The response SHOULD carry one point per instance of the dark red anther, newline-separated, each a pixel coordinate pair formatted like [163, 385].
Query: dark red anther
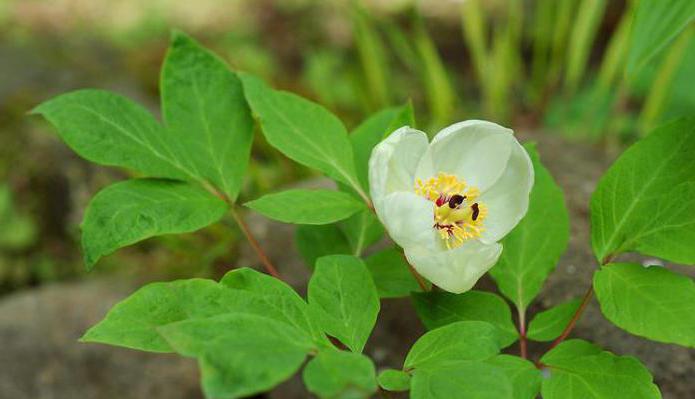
[441, 200]
[476, 211]
[456, 200]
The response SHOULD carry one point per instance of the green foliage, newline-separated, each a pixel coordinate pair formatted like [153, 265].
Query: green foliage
[307, 206]
[340, 375]
[362, 230]
[315, 241]
[394, 380]
[579, 369]
[455, 342]
[437, 309]
[344, 300]
[17, 230]
[390, 274]
[656, 24]
[131, 211]
[209, 124]
[652, 302]
[239, 354]
[548, 325]
[303, 130]
[532, 249]
[464, 379]
[646, 200]
[524, 376]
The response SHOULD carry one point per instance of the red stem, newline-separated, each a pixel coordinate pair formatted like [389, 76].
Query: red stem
[573, 321]
[254, 244]
[522, 333]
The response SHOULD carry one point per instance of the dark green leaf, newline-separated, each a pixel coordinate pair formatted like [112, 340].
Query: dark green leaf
[462, 340]
[548, 325]
[651, 302]
[437, 309]
[362, 230]
[391, 275]
[394, 380]
[131, 211]
[209, 124]
[303, 130]
[579, 370]
[343, 299]
[533, 248]
[524, 376]
[340, 375]
[239, 354]
[307, 206]
[315, 241]
[646, 200]
[462, 380]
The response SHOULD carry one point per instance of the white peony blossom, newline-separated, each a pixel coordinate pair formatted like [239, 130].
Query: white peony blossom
[449, 202]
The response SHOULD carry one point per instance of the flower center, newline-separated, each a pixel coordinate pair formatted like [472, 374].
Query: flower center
[457, 215]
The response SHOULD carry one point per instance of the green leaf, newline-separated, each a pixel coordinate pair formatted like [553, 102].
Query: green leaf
[548, 325]
[524, 376]
[462, 380]
[533, 248]
[656, 24]
[437, 309]
[372, 131]
[582, 371]
[303, 130]
[109, 129]
[362, 230]
[307, 206]
[315, 241]
[131, 211]
[239, 354]
[133, 322]
[391, 275]
[646, 200]
[268, 296]
[651, 302]
[462, 340]
[394, 380]
[343, 299]
[209, 124]
[339, 374]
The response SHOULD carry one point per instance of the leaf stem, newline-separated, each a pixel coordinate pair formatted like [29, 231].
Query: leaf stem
[269, 267]
[420, 281]
[522, 333]
[575, 318]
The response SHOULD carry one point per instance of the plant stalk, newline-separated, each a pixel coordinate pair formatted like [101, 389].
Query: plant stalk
[267, 264]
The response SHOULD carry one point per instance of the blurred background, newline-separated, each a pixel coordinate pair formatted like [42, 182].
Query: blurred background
[553, 70]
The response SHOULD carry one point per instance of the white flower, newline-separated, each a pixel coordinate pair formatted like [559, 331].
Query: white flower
[449, 202]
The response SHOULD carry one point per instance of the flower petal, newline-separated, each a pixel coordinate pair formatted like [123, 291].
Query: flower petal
[508, 199]
[408, 218]
[455, 270]
[393, 162]
[474, 150]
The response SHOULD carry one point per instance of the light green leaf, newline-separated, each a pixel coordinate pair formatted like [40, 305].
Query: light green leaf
[524, 376]
[344, 300]
[391, 275]
[582, 371]
[307, 206]
[340, 375]
[646, 200]
[372, 131]
[650, 302]
[657, 23]
[303, 130]
[239, 354]
[437, 309]
[209, 124]
[133, 322]
[315, 241]
[533, 248]
[268, 296]
[394, 380]
[362, 230]
[109, 129]
[462, 380]
[462, 340]
[548, 325]
[131, 211]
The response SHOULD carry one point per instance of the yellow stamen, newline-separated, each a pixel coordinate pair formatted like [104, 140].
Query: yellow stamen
[458, 216]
